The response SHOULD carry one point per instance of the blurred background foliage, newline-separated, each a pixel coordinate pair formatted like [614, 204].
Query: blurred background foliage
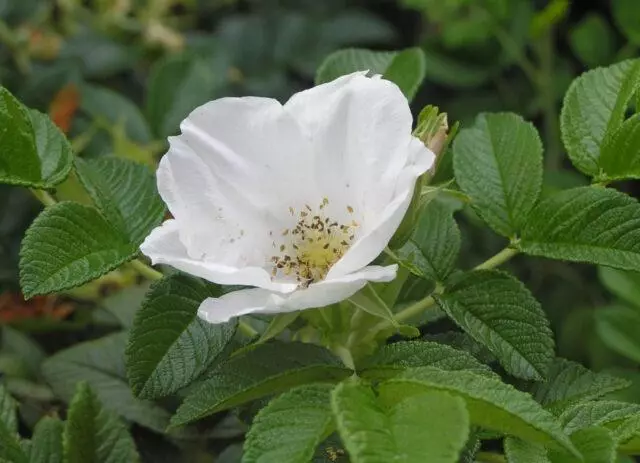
[118, 76]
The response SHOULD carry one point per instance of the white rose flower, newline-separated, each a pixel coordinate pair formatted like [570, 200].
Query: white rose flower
[295, 200]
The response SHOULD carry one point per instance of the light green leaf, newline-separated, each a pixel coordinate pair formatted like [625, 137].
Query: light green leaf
[177, 85]
[404, 433]
[618, 328]
[393, 358]
[289, 429]
[101, 364]
[590, 413]
[46, 443]
[596, 445]
[625, 285]
[170, 346]
[261, 370]
[491, 403]
[519, 451]
[620, 152]
[498, 162]
[499, 312]
[568, 381]
[593, 106]
[67, 245]
[626, 14]
[126, 194]
[277, 325]
[34, 152]
[433, 248]
[405, 68]
[367, 299]
[92, 434]
[592, 40]
[8, 409]
[588, 224]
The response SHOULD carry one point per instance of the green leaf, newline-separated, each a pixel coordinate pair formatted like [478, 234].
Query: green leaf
[67, 245]
[626, 14]
[618, 328]
[46, 443]
[170, 346]
[593, 106]
[10, 449]
[123, 305]
[592, 40]
[34, 152]
[519, 451]
[17, 343]
[433, 248]
[586, 414]
[177, 85]
[367, 299]
[625, 285]
[568, 381]
[443, 69]
[491, 403]
[261, 370]
[499, 312]
[111, 107]
[404, 433]
[289, 429]
[392, 359]
[277, 325]
[595, 444]
[406, 68]
[589, 224]
[8, 408]
[126, 194]
[101, 364]
[92, 434]
[619, 158]
[498, 162]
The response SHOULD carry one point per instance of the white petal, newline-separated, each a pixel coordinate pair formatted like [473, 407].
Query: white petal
[247, 301]
[164, 246]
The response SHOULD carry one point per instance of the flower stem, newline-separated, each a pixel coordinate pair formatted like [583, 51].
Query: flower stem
[145, 270]
[497, 260]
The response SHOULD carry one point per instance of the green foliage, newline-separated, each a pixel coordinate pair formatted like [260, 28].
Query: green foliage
[262, 370]
[289, 429]
[624, 285]
[46, 442]
[34, 152]
[406, 68]
[519, 451]
[498, 163]
[588, 224]
[618, 154]
[594, 106]
[618, 329]
[373, 433]
[432, 250]
[500, 313]
[593, 41]
[94, 434]
[586, 414]
[170, 346]
[392, 359]
[67, 245]
[625, 13]
[596, 445]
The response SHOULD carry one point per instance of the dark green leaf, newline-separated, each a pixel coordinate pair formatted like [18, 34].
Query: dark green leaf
[67, 245]
[500, 313]
[289, 429]
[46, 443]
[261, 370]
[391, 359]
[126, 194]
[177, 85]
[620, 152]
[588, 224]
[17, 343]
[10, 449]
[626, 14]
[593, 106]
[433, 248]
[101, 364]
[618, 328]
[123, 305]
[592, 40]
[568, 381]
[92, 434]
[277, 325]
[491, 403]
[625, 285]
[443, 69]
[407, 71]
[56, 155]
[498, 163]
[170, 346]
[8, 408]
[404, 433]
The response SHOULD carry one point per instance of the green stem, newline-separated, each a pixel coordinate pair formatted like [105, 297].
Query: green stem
[247, 329]
[145, 270]
[490, 457]
[497, 260]
[44, 197]
[549, 108]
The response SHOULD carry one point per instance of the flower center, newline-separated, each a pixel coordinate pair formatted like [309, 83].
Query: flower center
[314, 244]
